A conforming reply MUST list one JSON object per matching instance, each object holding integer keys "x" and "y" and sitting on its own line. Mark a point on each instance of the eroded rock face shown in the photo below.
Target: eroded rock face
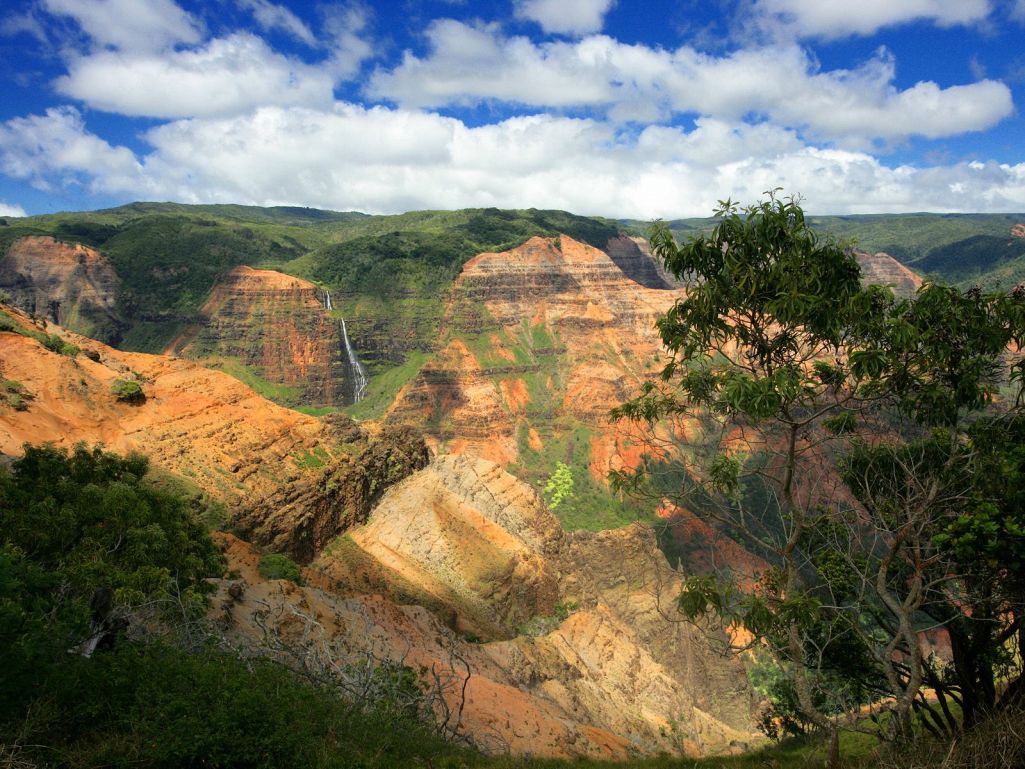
{"x": 68, "y": 284}
{"x": 1018, "y": 231}
{"x": 301, "y": 516}
{"x": 203, "y": 425}
{"x": 551, "y": 329}
{"x": 469, "y": 533}
{"x": 882, "y": 269}
{"x": 633, "y": 256}
{"x": 277, "y": 324}
{"x": 594, "y": 670}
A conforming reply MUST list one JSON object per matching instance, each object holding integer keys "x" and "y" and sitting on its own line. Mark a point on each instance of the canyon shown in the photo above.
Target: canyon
{"x": 421, "y": 530}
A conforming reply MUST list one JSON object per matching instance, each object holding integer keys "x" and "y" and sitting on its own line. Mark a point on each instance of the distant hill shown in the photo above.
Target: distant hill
{"x": 963, "y": 249}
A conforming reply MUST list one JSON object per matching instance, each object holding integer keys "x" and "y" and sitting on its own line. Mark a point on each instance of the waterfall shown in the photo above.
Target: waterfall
{"x": 359, "y": 374}
{"x": 327, "y": 301}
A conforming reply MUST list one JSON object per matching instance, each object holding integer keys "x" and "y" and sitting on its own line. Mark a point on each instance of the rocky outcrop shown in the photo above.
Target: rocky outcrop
{"x": 473, "y": 537}
{"x": 200, "y": 424}
{"x": 549, "y": 331}
{"x": 278, "y": 325}
{"x": 569, "y": 654}
{"x": 68, "y": 284}
{"x": 1018, "y": 231}
{"x": 882, "y": 269}
{"x": 301, "y": 516}
{"x": 633, "y": 256}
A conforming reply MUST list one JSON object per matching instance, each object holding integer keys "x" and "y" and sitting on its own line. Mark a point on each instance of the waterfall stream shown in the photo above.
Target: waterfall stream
{"x": 359, "y": 374}
{"x": 356, "y": 370}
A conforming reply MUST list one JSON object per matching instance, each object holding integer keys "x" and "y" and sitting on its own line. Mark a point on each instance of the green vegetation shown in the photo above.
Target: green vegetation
{"x": 962, "y": 249}
{"x": 384, "y": 387}
{"x": 103, "y": 586}
{"x": 559, "y": 486}
{"x": 777, "y": 340}
{"x": 14, "y": 395}
{"x": 51, "y": 342}
{"x": 287, "y": 395}
{"x": 312, "y": 459}
{"x": 277, "y": 566}
{"x": 128, "y": 390}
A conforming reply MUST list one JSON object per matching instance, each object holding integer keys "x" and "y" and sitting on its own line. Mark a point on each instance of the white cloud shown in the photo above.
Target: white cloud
{"x": 7, "y": 209}
{"x": 837, "y": 18}
{"x": 56, "y": 150}
{"x": 389, "y": 160}
{"x": 469, "y": 64}
{"x": 565, "y": 17}
{"x": 271, "y": 16}
{"x": 131, "y": 25}
{"x": 227, "y": 76}
{"x": 1018, "y": 12}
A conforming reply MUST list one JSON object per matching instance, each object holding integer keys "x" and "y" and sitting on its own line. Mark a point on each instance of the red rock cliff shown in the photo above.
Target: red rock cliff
{"x": 68, "y": 284}
{"x": 278, "y": 325}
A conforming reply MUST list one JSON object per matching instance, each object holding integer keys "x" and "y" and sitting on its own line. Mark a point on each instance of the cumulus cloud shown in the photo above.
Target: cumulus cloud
{"x": 6, "y": 209}
{"x": 782, "y": 83}
{"x": 271, "y": 16}
{"x": 384, "y": 160}
{"x": 818, "y": 18}
{"x": 130, "y": 25}
{"x": 226, "y": 76}
{"x": 56, "y": 150}
{"x": 565, "y": 17}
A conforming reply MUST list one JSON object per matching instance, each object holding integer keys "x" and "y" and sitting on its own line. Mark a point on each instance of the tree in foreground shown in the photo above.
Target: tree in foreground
{"x": 864, "y": 447}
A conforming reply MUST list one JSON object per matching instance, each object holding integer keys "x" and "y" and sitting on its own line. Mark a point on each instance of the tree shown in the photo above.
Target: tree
{"x": 559, "y": 487}
{"x": 795, "y": 381}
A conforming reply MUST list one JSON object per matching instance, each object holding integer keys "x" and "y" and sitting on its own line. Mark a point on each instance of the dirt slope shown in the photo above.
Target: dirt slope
{"x": 201, "y": 424}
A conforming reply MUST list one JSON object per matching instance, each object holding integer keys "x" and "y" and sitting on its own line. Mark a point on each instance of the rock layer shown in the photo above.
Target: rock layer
{"x": 595, "y": 670}
{"x": 882, "y": 269}
{"x": 278, "y": 325}
{"x": 303, "y": 515}
{"x": 550, "y": 330}
{"x": 68, "y": 284}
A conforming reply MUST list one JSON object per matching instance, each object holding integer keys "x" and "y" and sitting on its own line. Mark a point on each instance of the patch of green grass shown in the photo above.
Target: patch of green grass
{"x": 51, "y": 342}
{"x": 277, "y": 566}
{"x": 150, "y": 336}
{"x": 311, "y": 459}
{"x": 593, "y": 505}
{"x": 385, "y": 386}
{"x": 317, "y": 411}
{"x": 128, "y": 391}
{"x": 279, "y": 393}
{"x": 15, "y": 395}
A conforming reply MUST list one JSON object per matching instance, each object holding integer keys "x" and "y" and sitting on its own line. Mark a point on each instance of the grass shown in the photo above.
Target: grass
{"x": 14, "y": 394}
{"x": 311, "y": 459}
{"x": 385, "y": 386}
{"x": 250, "y": 376}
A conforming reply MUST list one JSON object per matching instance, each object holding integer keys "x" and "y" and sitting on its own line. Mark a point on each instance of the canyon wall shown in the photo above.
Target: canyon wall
{"x": 68, "y": 284}
{"x": 277, "y": 325}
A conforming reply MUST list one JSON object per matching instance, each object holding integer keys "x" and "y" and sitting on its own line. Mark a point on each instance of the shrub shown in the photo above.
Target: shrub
{"x": 128, "y": 391}
{"x": 54, "y": 343}
{"x": 277, "y": 566}
{"x": 14, "y": 395}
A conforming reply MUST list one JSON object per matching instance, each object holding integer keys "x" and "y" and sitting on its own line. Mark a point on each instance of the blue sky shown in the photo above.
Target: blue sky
{"x": 606, "y": 107}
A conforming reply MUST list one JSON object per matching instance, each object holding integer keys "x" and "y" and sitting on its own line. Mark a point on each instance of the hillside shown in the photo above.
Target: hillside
{"x": 963, "y": 249}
